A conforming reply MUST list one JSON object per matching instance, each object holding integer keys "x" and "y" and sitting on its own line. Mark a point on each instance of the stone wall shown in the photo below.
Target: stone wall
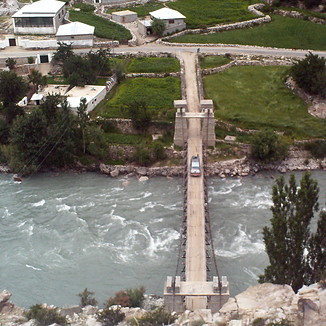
{"x": 299, "y": 15}
{"x": 152, "y": 75}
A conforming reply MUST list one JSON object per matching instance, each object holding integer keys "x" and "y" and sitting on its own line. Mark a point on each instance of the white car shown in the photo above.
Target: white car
{"x": 195, "y": 166}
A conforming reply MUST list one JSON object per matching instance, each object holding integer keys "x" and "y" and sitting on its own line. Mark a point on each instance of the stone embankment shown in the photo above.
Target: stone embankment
{"x": 264, "y": 302}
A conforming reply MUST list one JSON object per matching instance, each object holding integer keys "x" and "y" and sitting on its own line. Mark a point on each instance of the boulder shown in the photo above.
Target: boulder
{"x": 142, "y": 171}
{"x": 143, "y": 179}
{"x": 114, "y": 173}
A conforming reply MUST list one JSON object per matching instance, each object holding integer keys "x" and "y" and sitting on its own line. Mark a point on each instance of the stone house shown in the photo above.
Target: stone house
{"x": 77, "y": 34}
{"x": 41, "y": 17}
{"x": 174, "y": 20}
{"x": 125, "y": 16}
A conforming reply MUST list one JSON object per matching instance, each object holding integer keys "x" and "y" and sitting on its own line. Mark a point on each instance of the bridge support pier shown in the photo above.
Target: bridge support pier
{"x": 181, "y": 295}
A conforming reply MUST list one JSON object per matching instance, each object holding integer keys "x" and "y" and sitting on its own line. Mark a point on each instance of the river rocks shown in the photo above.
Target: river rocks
{"x": 143, "y": 179}
{"x": 312, "y": 305}
{"x": 114, "y": 173}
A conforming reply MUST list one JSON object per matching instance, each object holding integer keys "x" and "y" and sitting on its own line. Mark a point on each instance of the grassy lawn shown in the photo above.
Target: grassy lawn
{"x": 141, "y": 10}
{"x": 153, "y": 64}
{"x": 103, "y": 27}
{"x": 282, "y": 32}
{"x": 256, "y": 97}
{"x": 213, "y": 61}
{"x": 157, "y": 93}
{"x": 211, "y": 12}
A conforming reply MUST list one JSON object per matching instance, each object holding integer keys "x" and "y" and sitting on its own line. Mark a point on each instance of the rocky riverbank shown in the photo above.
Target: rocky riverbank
{"x": 297, "y": 160}
{"x": 258, "y": 305}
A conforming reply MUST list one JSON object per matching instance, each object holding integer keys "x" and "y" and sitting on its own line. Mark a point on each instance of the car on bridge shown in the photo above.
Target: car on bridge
{"x": 195, "y": 166}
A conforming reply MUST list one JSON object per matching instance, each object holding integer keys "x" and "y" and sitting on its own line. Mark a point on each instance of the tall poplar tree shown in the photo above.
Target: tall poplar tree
{"x": 296, "y": 255}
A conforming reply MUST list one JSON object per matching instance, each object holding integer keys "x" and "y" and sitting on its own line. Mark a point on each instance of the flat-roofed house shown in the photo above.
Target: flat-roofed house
{"x": 124, "y": 16}
{"x": 40, "y": 17}
{"x": 174, "y": 20}
{"x": 77, "y": 34}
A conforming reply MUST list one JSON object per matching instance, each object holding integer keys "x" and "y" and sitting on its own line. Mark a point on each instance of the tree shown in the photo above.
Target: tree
{"x": 11, "y": 63}
{"x": 310, "y": 74}
{"x": 64, "y": 51}
{"x": 12, "y": 88}
{"x": 99, "y": 61}
{"x": 267, "y": 146}
{"x": 28, "y": 137}
{"x": 140, "y": 115}
{"x": 83, "y": 118}
{"x": 36, "y": 79}
{"x": 296, "y": 255}
{"x": 86, "y": 298}
{"x": 78, "y": 71}
{"x": 158, "y": 27}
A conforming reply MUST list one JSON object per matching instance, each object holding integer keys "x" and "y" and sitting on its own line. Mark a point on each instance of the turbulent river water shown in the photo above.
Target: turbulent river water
{"x": 62, "y": 233}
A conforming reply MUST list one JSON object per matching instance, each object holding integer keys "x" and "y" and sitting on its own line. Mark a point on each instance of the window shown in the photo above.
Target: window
{"x": 171, "y": 21}
{"x": 34, "y": 22}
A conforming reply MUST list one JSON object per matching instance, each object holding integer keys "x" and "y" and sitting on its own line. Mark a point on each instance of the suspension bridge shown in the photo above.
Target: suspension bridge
{"x": 196, "y": 283}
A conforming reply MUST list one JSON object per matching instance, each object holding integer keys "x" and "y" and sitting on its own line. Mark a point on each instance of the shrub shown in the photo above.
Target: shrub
{"x": 110, "y": 317}
{"x": 136, "y": 296}
{"x": 45, "y": 316}
{"x": 258, "y": 322}
{"x": 310, "y": 74}
{"x": 158, "y": 151}
{"x": 86, "y": 298}
{"x": 30, "y": 60}
{"x": 316, "y": 148}
{"x": 156, "y": 317}
{"x": 267, "y": 146}
{"x": 121, "y": 298}
{"x": 142, "y": 156}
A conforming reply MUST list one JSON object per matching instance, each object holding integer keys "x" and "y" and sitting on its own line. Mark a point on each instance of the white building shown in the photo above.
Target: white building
{"x": 174, "y": 20}
{"x": 93, "y": 95}
{"x": 40, "y": 17}
{"x": 124, "y": 16}
{"x": 77, "y": 34}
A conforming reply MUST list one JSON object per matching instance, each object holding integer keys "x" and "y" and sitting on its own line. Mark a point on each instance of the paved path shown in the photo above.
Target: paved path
{"x": 153, "y": 47}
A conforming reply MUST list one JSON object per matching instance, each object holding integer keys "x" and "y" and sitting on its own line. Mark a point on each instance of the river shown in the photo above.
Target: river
{"x": 61, "y": 233}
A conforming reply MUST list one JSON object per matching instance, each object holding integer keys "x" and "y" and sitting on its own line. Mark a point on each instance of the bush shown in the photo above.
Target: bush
{"x": 128, "y": 298}
{"x": 158, "y": 151}
{"x": 30, "y": 60}
{"x": 267, "y": 146}
{"x": 86, "y": 298}
{"x": 258, "y": 322}
{"x": 310, "y": 74}
{"x": 156, "y": 317}
{"x": 45, "y": 316}
{"x": 317, "y": 148}
{"x": 110, "y": 317}
{"x": 142, "y": 156}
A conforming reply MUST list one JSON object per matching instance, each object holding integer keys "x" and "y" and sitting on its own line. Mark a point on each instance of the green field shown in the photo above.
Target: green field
{"x": 213, "y": 61}
{"x": 157, "y": 93}
{"x": 282, "y": 32}
{"x": 103, "y": 28}
{"x": 211, "y": 12}
{"x": 153, "y": 64}
{"x": 256, "y": 98}
{"x": 141, "y": 10}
